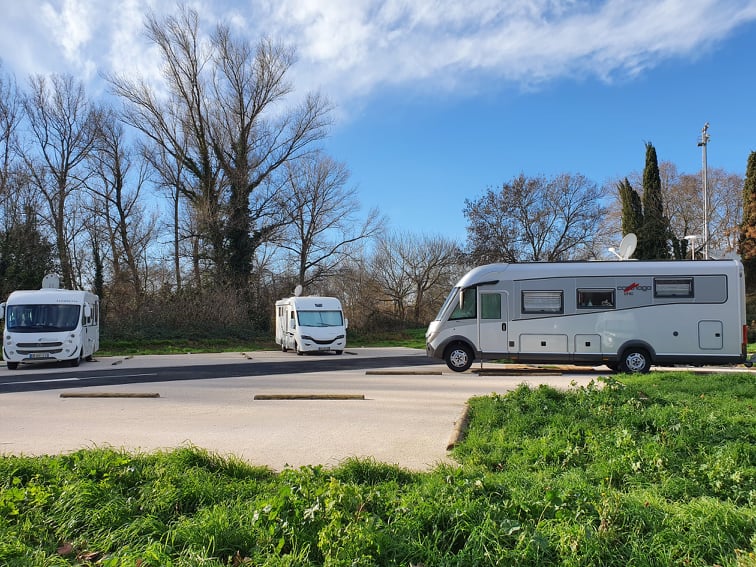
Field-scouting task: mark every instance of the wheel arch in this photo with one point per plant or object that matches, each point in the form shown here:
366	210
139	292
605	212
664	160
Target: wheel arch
456	340
636	343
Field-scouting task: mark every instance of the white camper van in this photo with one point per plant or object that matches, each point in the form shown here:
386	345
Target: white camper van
625	314
50	324
310	324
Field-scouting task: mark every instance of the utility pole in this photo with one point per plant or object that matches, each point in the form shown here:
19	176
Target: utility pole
703	143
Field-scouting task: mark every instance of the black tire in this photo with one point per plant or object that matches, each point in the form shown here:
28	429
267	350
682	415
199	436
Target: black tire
12	365
458	357
339	351
299	352
75	361
635	361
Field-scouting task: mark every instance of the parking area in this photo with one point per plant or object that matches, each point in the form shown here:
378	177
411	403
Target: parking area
398	415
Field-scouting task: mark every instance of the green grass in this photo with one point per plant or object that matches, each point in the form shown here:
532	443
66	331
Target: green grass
412	338
181	346
643	470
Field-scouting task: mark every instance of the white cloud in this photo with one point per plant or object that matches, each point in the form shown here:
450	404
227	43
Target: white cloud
350	48
362	45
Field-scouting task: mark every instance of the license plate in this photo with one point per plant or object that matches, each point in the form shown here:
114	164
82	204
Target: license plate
38	355
324	348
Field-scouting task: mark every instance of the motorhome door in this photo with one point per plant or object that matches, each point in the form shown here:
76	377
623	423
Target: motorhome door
493	320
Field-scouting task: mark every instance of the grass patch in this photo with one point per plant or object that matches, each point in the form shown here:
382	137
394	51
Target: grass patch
411	338
181	346
656	469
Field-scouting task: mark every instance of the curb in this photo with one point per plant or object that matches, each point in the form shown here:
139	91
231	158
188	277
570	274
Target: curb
403	373
309	397
110	395
460	428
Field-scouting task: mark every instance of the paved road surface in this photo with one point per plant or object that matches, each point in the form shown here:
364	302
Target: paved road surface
407	416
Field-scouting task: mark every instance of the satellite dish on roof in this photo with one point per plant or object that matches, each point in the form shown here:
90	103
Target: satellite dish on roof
51	281
298	291
627	246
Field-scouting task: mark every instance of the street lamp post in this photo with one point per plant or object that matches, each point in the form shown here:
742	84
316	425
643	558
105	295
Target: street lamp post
703	143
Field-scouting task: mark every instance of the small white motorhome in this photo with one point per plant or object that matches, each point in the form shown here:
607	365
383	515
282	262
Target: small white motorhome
625	314
50	324
310	324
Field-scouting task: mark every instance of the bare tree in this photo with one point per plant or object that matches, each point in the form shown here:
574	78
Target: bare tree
63	125
170	174
725	209
11	110
18	198
683	206
320	214
117	185
535	219
388	271
224	122
416	271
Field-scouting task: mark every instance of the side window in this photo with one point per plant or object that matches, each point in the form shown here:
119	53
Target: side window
543	302
677	287
595	299
469	308
490	306
292	320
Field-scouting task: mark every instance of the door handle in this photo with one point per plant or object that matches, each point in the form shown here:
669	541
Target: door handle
504	327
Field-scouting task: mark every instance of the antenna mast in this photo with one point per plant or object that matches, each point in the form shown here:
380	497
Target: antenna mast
703	143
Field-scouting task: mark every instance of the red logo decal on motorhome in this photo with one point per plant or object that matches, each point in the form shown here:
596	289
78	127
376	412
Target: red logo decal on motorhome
631	287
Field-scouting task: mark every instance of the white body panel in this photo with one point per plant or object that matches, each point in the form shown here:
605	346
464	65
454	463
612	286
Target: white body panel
50	324
678	312
310	324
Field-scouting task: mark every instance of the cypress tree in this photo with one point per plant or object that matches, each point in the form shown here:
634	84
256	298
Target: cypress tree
653	240
747	236
632	209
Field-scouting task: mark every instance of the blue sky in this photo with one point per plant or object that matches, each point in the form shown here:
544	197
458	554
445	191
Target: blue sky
438	100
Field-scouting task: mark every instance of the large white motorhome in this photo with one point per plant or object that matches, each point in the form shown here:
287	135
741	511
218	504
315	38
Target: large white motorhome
625	314
50	324
310	324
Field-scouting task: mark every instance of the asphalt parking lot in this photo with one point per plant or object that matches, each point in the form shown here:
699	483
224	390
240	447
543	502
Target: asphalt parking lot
400	415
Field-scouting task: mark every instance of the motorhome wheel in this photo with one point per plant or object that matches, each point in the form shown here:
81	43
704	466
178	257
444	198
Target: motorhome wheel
12	365
459	357
636	361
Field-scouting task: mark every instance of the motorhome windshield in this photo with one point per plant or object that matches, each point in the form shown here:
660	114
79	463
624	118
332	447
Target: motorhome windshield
320	318
46	318
451	297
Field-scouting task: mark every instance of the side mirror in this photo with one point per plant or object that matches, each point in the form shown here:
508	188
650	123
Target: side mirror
2	310
87	310
346	323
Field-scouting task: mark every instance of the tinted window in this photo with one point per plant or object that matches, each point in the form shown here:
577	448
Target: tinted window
469	308
595	298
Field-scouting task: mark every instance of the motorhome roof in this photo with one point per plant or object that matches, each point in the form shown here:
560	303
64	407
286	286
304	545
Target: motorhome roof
530	270
47	296
312	302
